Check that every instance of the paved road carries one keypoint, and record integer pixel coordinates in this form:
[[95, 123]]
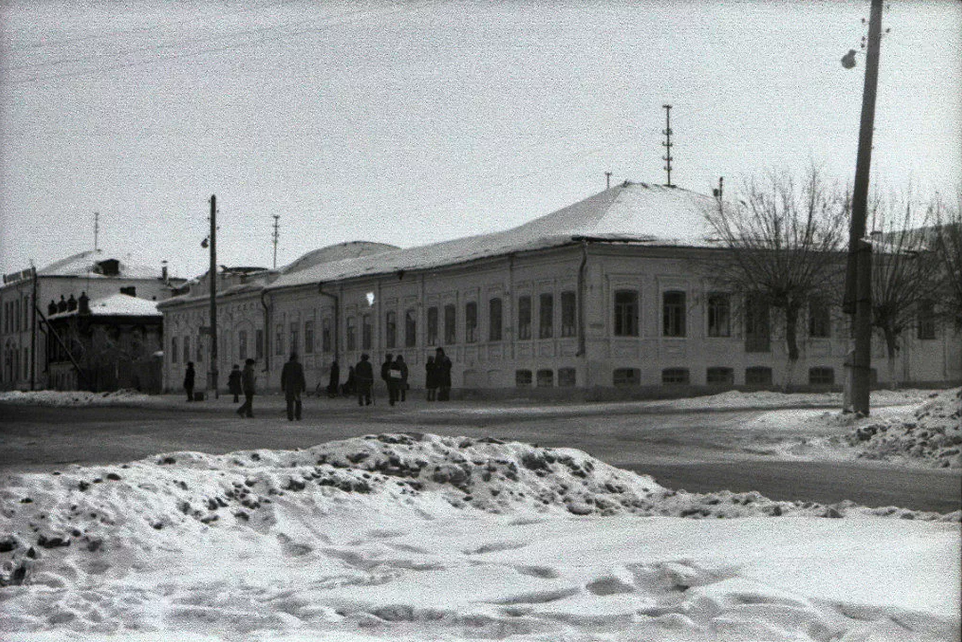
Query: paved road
[[697, 451]]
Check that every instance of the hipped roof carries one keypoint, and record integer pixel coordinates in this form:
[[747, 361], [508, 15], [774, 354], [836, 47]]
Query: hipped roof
[[628, 212]]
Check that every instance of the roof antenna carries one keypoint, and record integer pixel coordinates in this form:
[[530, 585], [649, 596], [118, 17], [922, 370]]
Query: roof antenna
[[667, 144], [277, 225], [607, 180], [719, 191], [96, 230]]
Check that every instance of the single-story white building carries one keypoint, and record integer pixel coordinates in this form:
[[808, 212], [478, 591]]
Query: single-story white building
[[605, 297]]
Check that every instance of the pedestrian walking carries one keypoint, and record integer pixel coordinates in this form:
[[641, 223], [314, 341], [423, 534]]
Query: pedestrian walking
[[403, 368], [431, 379], [443, 365], [188, 380], [293, 384], [248, 381], [234, 382], [334, 383], [388, 375], [364, 379]]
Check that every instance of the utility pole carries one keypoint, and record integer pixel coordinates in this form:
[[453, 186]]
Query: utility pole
[[667, 144], [858, 277], [607, 180], [212, 277], [33, 328], [277, 224]]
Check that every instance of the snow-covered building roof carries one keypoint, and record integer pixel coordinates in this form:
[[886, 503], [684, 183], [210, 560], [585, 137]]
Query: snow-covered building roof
[[117, 305], [337, 252], [632, 212], [92, 263]]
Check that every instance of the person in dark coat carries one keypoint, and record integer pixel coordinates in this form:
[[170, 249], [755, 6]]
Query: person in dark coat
[[403, 368], [248, 381], [349, 389], [364, 379], [189, 381], [334, 383], [394, 376], [431, 379], [293, 384], [234, 382], [443, 365]]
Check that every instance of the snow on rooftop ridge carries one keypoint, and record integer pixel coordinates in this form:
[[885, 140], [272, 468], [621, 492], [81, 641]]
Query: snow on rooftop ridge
[[85, 264], [337, 252], [636, 212]]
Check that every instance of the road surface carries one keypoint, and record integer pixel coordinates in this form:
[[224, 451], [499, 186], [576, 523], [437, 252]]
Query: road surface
[[696, 451]]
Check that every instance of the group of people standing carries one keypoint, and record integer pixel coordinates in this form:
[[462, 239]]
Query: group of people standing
[[394, 372]]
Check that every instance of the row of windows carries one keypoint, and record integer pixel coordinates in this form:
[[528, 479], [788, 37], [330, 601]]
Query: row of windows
[[626, 324], [12, 364], [180, 347], [545, 378], [758, 375], [16, 315], [754, 376]]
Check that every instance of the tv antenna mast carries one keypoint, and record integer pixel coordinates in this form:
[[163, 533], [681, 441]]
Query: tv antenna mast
[[667, 144], [277, 225]]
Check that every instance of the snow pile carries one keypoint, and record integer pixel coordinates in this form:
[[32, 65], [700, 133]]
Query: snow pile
[[74, 398], [413, 536], [931, 433]]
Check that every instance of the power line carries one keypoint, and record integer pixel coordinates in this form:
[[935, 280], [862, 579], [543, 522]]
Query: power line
[[116, 32], [159, 47], [176, 56]]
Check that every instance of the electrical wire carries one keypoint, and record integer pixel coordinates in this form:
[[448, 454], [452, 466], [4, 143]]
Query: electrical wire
[[177, 56]]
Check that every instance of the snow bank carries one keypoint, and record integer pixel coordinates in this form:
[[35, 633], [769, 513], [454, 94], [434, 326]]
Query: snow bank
[[74, 398], [413, 536], [931, 433]]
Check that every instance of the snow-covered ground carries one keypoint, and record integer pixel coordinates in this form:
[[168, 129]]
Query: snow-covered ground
[[925, 434], [418, 537], [77, 398]]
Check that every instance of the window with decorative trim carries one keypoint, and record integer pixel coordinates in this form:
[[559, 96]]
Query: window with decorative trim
[[450, 324], [545, 316], [719, 314], [410, 328], [432, 326], [569, 317], [626, 313], [674, 376], [673, 313], [524, 317], [495, 319], [623, 377], [720, 376], [470, 322], [390, 329]]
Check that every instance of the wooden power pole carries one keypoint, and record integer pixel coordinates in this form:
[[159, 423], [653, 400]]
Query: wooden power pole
[[858, 277]]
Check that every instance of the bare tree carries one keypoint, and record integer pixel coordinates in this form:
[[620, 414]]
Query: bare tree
[[904, 272], [948, 249], [781, 244]]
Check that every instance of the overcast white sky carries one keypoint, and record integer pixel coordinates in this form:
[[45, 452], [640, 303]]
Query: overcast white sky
[[417, 121]]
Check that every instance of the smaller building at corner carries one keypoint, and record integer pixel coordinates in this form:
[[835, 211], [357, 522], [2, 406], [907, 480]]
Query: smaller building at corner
[[602, 298], [30, 297]]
